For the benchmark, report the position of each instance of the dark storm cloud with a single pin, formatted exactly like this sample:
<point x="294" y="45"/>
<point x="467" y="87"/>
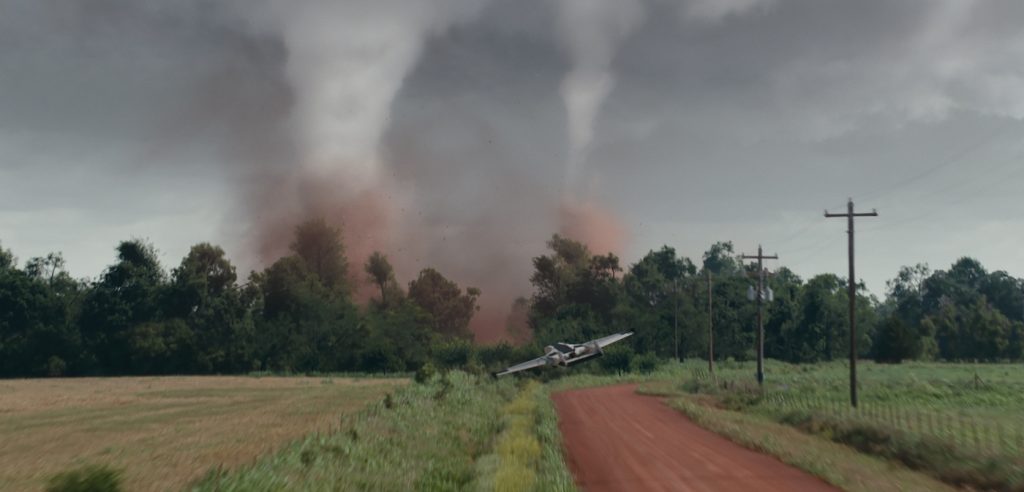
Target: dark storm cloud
<point x="124" y="118"/>
<point x="722" y="119"/>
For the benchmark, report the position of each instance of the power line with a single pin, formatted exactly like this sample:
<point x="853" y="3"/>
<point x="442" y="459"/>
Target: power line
<point x="975" y="193"/>
<point x="956" y="157"/>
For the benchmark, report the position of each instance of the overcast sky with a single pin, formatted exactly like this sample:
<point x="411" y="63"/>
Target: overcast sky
<point x="690" y="121"/>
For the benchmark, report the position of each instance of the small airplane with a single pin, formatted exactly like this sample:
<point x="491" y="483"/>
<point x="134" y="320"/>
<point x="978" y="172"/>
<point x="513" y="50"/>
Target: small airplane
<point x="565" y="354"/>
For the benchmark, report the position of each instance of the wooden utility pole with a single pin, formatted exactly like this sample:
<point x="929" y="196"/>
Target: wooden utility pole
<point x="711" y="333"/>
<point x="760" y="257"/>
<point x="850" y="214"/>
<point x="675" y="314"/>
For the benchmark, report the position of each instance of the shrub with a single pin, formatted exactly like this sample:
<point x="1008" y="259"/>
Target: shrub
<point x="495" y="356"/>
<point x="453" y="354"/>
<point x="91" y="478"/>
<point x="616" y="359"/>
<point x="645" y="363"/>
<point x="425" y="373"/>
<point x="56" y="367"/>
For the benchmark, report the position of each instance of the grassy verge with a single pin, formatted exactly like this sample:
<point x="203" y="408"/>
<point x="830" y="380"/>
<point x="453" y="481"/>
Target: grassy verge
<point x="835" y="463"/>
<point x="958" y="423"/>
<point x="940" y="459"/>
<point x="528" y="453"/>
<point x="422" y="437"/>
<point x="552" y="472"/>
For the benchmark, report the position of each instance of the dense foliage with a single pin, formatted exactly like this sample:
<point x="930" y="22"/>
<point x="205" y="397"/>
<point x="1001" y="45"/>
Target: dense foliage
<point x="299" y="313"/>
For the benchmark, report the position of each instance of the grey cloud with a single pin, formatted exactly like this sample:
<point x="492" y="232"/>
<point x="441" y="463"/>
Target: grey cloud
<point x="722" y="114"/>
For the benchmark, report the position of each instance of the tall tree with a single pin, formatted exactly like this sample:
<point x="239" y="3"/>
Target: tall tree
<point x="204" y="295"/>
<point x="380" y="272"/>
<point x="37" y="332"/>
<point x="6" y="258"/>
<point x="657" y="286"/>
<point x="320" y="247"/>
<point x="449" y="308"/>
<point x="127" y="296"/>
<point x="720" y="259"/>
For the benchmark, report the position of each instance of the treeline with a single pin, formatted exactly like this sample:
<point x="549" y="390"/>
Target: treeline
<point x="965" y="313"/>
<point x="299" y="314"/>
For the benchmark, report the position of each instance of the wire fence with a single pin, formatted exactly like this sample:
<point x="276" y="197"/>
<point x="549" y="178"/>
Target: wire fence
<point x="974" y="433"/>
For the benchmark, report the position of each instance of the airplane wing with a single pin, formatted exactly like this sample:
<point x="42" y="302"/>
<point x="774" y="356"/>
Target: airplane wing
<point x="538" y="362"/>
<point x="610" y="339"/>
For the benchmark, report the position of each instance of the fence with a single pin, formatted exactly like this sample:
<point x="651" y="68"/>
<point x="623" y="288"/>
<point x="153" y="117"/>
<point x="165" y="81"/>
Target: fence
<point x="974" y="433"/>
<point x="969" y="432"/>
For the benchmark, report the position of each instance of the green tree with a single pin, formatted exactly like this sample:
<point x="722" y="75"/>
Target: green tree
<point x="37" y="332"/>
<point x="657" y="287"/>
<point x="721" y="259"/>
<point x="399" y="339"/>
<point x="306" y="326"/>
<point x="1004" y="293"/>
<point x="896" y="342"/>
<point x="781" y="313"/>
<point x="450" y="308"/>
<point x="127" y="295"/>
<point x="574" y="288"/>
<point x="381" y="273"/>
<point x="7" y="260"/>
<point x="218" y="325"/>
<point x="320" y="247"/>
<point x="818" y="330"/>
<point x="555" y="275"/>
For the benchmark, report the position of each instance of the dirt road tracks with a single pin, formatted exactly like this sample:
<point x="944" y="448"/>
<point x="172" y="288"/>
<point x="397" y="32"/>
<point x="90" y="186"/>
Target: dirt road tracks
<point x="618" y="440"/>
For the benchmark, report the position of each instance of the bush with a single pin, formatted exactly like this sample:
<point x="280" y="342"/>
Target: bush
<point x="425" y="373"/>
<point x="92" y="478"/>
<point x="453" y="354"/>
<point x="56" y="367"/>
<point x="495" y="356"/>
<point x="617" y="358"/>
<point x="645" y="363"/>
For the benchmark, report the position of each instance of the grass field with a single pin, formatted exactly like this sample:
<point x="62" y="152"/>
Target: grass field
<point x="165" y="432"/>
<point x="962" y="423"/>
<point x="424" y="437"/>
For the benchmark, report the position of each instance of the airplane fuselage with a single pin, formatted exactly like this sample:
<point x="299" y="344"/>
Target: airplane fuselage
<point x="564" y="354"/>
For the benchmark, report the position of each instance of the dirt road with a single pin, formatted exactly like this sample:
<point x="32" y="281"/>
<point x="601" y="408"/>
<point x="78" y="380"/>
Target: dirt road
<point x="618" y="440"/>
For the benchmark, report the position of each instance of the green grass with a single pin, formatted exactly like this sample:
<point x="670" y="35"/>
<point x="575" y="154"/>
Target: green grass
<point x="961" y="423"/>
<point x="92" y="478"/>
<point x="434" y="436"/>
<point x="552" y="473"/>
<point x="836" y="464"/>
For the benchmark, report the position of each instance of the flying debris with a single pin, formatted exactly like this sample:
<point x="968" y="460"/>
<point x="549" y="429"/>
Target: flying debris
<point x="565" y="354"/>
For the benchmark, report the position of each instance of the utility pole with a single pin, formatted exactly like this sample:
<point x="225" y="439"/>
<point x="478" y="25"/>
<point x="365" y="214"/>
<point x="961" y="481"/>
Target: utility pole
<point x="711" y="333"/>
<point x="850" y="214"/>
<point x="760" y="257"/>
<point x="675" y="314"/>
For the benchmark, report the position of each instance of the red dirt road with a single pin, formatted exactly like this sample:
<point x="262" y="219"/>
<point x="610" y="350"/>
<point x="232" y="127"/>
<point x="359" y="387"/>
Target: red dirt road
<point x="616" y="439"/>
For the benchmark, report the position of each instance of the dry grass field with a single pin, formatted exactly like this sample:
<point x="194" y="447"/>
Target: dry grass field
<point x="163" y="432"/>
